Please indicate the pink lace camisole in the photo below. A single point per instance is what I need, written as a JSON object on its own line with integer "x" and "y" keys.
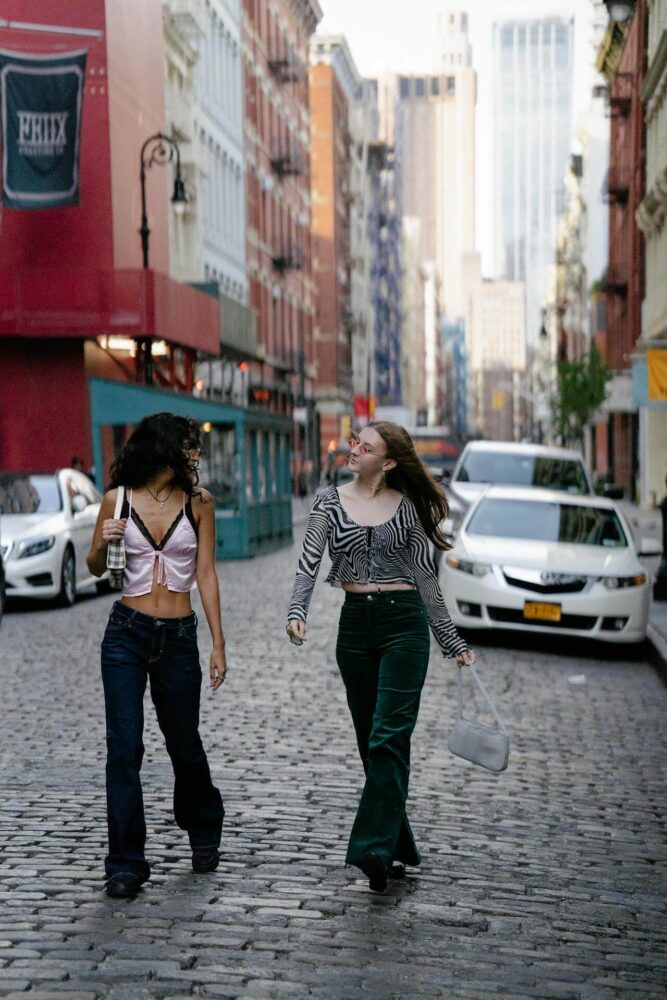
{"x": 176, "y": 555}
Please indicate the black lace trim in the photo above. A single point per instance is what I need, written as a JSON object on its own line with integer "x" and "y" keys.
{"x": 147, "y": 535}
{"x": 191, "y": 517}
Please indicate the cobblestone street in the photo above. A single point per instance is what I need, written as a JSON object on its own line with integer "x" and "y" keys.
{"x": 545, "y": 881}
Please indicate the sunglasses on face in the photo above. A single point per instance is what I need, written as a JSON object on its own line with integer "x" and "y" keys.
{"x": 363, "y": 449}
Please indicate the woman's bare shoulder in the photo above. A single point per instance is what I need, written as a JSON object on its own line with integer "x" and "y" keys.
{"x": 109, "y": 500}
{"x": 202, "y": 496}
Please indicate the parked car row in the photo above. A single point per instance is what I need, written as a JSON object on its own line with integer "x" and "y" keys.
{"x": 540, "y": 561}
{"x": 535, "y": 550}
{"x": 46, "y": 528}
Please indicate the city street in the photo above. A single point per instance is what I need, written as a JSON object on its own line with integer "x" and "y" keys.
{"x": 544, "y": 881}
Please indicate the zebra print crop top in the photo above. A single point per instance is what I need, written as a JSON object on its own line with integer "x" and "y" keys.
{"x": 394, "y": 552}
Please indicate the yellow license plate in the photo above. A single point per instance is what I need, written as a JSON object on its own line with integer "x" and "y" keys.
{"x": 541, "y": 612}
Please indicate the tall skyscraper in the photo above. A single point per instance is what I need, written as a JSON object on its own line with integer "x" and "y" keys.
{"x": 532, "y": 120}
{"x": 430, "y": 121}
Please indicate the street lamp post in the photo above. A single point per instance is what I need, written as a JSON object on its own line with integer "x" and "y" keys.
{"x": 157, "y": 149}
{"x": 619, "y": 10}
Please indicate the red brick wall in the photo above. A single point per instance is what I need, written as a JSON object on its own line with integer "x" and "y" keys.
{"x": 278, "y": 218}
{"x": 45, "y": 417}
{"x": 330, "y": 163}
{"x": 626, "y": 243}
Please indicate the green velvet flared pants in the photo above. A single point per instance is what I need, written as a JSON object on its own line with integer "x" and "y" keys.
{"x": 382, "y": 652}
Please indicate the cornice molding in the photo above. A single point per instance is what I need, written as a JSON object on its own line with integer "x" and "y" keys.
{"x": 656, "y": 73}
{"x": 610, "y": 49}
{"x": 309, "y": 12}
{"x": 334, "y": 51}
{"x": 652, "y": 209}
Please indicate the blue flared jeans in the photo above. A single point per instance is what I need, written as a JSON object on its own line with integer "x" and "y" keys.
{"x": 382, "y": 652}
{"x": 138, "y": 649}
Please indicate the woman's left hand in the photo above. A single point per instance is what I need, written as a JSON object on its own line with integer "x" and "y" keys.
{"x": 466, "y": 658}
{"x": 218, "y": 667}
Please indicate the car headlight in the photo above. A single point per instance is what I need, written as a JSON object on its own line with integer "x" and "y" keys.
{"x": 619, "y": 582}
{"x": 35, "y": 547}
{"x": 475, "y": 569}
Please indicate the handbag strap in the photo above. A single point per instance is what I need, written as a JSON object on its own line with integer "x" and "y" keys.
{"x": 485, "y": 695}
{"x": 119, "y": 502}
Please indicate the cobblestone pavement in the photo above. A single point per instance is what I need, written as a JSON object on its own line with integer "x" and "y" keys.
{"x": 546, "y": 881}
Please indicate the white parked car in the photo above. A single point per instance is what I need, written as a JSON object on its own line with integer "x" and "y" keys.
{"x": 507, "y": 464}
{"x": 46, "y": 527}
{"x": 546, "y": 561}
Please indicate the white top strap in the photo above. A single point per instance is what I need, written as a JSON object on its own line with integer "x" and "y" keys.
{"x": 119, "y": 502}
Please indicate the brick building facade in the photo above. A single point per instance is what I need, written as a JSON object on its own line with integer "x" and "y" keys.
{"x": 334, "y": 84}
{"x": 276, "y": 40}
{"x": 622, "y": 60}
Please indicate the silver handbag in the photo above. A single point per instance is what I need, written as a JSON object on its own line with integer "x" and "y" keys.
{"x": 488, "y": 746}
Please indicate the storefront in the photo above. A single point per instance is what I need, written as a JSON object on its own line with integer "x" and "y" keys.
{"x": 649, "y": 387}
{"x": 245, "y": 460}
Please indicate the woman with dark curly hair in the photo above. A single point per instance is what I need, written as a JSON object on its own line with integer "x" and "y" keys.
{"x": 168, "y": 528}
{"x": 378, "y": 530}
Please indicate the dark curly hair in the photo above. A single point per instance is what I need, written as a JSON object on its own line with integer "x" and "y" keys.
{"x": 160, "y": 441}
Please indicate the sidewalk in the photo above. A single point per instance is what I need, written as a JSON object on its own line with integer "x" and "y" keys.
{"x": 648, "y": 524}
{"x": 301, "y": 508}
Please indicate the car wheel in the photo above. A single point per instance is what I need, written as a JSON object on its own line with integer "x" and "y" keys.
{"x": 67, "y": 594}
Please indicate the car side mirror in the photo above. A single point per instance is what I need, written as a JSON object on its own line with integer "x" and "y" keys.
{"x": 79, "y": 503}
{"x": 446, "y": 477}
{"x": 650, "y": 547}
{"x": 613, "y": 492}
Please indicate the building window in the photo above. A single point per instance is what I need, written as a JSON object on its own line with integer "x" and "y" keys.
{"x": 420, "y": 87}
{"x": 435, "y": 86}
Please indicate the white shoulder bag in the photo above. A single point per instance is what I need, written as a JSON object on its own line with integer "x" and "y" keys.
{"x": 488, "y": 746}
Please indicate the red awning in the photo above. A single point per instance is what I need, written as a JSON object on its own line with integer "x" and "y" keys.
{"x": 62, "y": 302}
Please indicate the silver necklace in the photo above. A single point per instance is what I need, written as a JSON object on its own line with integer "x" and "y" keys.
{"x": 157, "y": 498}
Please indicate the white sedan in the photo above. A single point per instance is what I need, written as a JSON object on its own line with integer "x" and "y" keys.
{"x": 46, "y": 527}
{"x": 543, "y": 561}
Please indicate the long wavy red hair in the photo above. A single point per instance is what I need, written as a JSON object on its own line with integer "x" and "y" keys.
{"x": 410, "y": 476}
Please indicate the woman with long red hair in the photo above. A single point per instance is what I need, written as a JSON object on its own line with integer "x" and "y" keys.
{"x": 378, "y": 529}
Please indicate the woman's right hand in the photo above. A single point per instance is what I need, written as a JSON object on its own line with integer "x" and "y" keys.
{"x": 113, "y": 528}
{"x": 297, "y": 629}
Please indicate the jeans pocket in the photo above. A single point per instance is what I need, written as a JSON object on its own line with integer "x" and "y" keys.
{"x": 117, "y": 622}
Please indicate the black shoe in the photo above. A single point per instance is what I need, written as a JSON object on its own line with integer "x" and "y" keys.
{"x": 397, "y": 870}
{"x": 123, "y": 886}
{"x": 205, "y": 859}
{"x": 376, "y": 871}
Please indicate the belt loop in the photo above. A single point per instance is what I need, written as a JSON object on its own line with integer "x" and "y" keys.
{"x": 180, "y": 628}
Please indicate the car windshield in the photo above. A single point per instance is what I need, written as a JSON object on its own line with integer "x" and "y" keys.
{"x": 21, "y": 493}
{"x": 511, "y": 469}
{"x": 541, "y": 521}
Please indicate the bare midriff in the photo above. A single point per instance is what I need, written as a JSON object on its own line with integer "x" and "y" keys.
{"x": 161, "y": 602}
{"x": 373, "y": 588}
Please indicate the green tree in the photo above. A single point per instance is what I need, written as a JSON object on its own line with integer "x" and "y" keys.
{"x": 581, "y": 391}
